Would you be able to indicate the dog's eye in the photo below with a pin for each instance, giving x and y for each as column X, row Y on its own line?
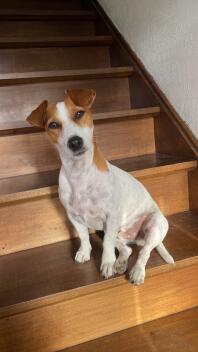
column 53, row 125
column 79, row 114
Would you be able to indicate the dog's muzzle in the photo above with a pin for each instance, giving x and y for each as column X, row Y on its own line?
column 75, row 143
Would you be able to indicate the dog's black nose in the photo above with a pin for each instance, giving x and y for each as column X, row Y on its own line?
column 75, row 143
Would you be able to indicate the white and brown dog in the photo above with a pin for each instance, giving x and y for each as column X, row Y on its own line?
column 98, row 195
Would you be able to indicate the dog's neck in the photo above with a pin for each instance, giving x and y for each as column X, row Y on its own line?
column 98, row 158
column 81, row 166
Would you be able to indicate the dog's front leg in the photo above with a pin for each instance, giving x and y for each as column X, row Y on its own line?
column 83, row 254
column 109, row 244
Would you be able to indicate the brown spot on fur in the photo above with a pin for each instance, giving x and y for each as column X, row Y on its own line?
column 98, row 158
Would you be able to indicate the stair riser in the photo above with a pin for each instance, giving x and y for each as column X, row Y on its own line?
column 112, row 94
column 70, row 321
column 193, row 190
column 43, row 221
column 37, row 4
column 169, row 139
column 46, row 28
column 170, row 191
column 27, row 182
column 122, row 138
column 117, row 138
column 34, row 59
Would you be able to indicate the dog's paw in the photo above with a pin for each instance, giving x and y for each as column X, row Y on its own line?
column 137, row 275
column 120, row 266
column 82, row 256
column 107, row 269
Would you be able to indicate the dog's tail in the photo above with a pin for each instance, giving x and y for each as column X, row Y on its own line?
column 164, row 254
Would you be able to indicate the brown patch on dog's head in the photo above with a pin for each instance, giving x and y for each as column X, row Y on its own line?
column 78, row 103
column 98, row 158
column 46, row 116
column 38, row 117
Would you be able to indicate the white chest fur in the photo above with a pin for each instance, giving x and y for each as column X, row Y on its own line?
column 85, row 194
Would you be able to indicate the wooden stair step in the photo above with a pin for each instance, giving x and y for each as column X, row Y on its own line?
column 63, row 75
column 23, row 156
column 22, row 127
column 45, row 14
column 111, row 89
column 173, row 333
column 126, row 128
column 46, row 221
column 155, row 164
column 50, row 76
column 36, row 28
column 54, row 41
column 65, row 58
column 52, row 292
column 46, row 270
column 163, row 176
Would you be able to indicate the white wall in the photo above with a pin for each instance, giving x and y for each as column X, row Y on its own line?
column 164, row 35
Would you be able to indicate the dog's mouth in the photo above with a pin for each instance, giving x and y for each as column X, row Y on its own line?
column 80, row 152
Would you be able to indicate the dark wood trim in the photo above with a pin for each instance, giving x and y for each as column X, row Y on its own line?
column 56, row 41
column 165, row 104
column 24, row 14
column 63, row 75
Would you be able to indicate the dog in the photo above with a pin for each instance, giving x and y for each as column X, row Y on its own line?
column 97, row 194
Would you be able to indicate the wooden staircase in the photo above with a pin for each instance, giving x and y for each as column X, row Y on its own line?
column 48, row 303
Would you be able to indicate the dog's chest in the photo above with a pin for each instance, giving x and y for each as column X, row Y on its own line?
column 87, row 205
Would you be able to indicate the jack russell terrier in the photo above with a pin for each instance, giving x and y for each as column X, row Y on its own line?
column 98, row 195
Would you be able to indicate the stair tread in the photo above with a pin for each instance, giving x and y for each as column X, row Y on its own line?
column 50, row 269
column 13, row 14
column 28, row 77
column 9, row 42
column 18, row 127
column 173, row 333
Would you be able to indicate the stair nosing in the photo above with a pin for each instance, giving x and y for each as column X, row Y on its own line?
column 64, row 75
column 6, row 14
column 55, row 41
column 164, row 169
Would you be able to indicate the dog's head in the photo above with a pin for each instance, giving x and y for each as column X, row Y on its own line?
column 69, row 124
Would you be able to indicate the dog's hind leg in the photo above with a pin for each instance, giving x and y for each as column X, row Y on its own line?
column 155, row 229
column 121, row 264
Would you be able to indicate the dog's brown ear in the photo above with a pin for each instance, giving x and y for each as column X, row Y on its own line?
column 38, row 116
column 82, row 97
